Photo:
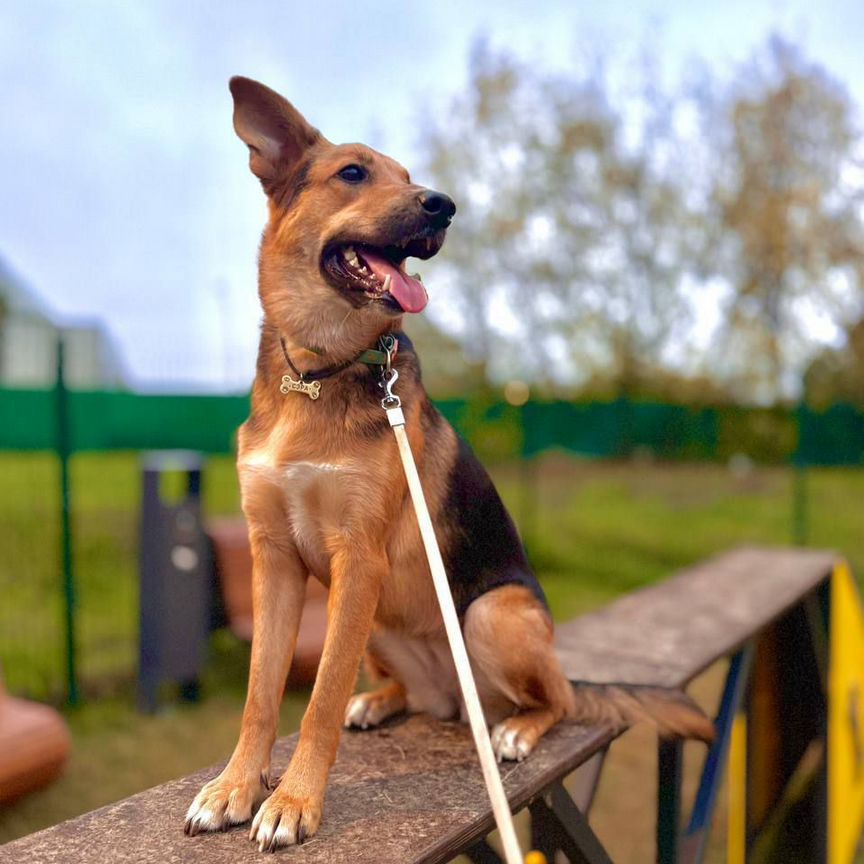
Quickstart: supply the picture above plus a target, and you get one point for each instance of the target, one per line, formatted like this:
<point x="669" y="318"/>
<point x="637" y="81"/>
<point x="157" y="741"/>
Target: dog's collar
<point x="388" y="343"/>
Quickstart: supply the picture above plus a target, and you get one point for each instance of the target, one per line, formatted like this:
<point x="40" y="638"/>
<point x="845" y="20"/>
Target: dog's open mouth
<point x="377" y="273"/>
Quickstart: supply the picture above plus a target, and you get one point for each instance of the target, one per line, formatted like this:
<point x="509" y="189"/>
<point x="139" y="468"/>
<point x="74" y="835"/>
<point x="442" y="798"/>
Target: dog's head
<point x="343" y="219"/>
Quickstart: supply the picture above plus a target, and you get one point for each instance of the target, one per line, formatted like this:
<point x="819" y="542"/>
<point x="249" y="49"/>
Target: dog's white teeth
<point x="387" y="281"/>
<point x="350" y="255"/>
<point x="417" y="276"/>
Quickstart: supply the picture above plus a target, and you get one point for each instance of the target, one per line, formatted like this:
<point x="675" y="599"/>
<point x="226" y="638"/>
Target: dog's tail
<point x="671" y="711"/>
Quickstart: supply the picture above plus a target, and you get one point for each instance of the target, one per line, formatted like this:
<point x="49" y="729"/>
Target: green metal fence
<point x="105" y="421"/>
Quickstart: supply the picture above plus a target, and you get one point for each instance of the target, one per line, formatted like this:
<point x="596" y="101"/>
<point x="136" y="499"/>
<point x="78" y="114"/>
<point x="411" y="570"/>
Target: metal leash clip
<point x="391" y="403"/>
<point x="390" y="400"/>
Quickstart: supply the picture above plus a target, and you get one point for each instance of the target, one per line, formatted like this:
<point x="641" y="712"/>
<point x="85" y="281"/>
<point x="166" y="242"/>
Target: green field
<point x="594" y="530"/>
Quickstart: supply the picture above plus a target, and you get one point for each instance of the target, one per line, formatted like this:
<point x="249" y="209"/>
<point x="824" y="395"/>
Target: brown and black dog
<point x="324" y="493"/>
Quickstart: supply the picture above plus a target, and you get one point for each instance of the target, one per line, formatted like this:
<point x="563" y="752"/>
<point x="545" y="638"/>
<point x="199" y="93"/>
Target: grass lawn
<point x="594" y="530"/>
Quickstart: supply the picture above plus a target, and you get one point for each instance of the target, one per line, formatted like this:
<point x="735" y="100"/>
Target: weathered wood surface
<point x="668" y="633"/>
<point x="411" y="792"/>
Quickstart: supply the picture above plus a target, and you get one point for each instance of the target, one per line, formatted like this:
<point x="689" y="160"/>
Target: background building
<point x="29" y="331"/>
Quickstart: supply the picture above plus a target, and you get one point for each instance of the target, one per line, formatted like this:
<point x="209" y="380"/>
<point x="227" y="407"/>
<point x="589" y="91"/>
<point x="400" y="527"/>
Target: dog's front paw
<point x="286" y="819"/>
<point x="223" y="802"/>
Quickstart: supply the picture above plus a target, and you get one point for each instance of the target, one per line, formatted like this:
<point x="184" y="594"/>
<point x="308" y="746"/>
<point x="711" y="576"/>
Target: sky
<point x="126" y="196"/>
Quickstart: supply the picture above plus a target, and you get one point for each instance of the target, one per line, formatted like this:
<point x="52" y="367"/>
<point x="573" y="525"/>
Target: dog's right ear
<point x="276" y="133"/>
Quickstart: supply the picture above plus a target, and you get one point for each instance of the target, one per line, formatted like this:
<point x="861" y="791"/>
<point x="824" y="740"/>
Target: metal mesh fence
<point x="105" y="522"/>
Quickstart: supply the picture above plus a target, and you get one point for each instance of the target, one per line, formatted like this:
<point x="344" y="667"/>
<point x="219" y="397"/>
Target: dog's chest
<point x="320" y="499"/>
<point x="315" y="489"/>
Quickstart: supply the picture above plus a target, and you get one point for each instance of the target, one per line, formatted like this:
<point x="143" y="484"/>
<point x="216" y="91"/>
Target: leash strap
<point x="500" y="806"/>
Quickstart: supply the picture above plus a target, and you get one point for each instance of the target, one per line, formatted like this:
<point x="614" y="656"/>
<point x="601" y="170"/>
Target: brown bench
<point x="412" y="791"/>
<point x="34" y="745"/>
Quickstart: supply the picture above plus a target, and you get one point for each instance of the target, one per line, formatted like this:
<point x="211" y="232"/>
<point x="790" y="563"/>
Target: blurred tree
<point x="592" y="219"/>
<point x="837" y="375"/>
<point x="447" y="372"/>
<point x="572" y="237"/>
<point x="788" y="230"/>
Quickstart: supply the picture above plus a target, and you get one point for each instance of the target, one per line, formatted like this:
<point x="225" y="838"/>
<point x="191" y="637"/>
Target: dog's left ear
<point x="276" y="133"/>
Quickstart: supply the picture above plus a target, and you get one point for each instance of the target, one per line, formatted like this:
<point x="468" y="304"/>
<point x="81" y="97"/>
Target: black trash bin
<point x="176" y="580"/>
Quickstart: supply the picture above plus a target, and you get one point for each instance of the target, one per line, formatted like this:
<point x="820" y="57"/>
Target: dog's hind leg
<point x="509" y="638"/>
<point x="421" y="678"/>
<point x="375" y="706"/>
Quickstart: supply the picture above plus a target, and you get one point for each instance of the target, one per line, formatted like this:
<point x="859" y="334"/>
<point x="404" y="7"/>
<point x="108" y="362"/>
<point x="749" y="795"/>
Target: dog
<point x="324" y="493"/>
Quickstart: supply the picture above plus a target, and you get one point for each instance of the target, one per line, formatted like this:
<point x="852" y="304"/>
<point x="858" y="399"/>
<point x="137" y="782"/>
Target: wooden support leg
<point x="542" y="839"/>
<point x="669" y="764"/>
<point x="482" y="853"/>
<point x="559" y="826"/>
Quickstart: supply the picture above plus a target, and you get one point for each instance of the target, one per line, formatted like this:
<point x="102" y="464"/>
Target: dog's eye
<point x="353" y="174"/>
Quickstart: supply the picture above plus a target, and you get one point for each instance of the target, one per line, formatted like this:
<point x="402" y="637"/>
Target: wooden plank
<point x="410" y="792"/>
<point x="668" y="633"/>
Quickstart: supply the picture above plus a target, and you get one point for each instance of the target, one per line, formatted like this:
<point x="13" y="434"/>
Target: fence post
<point x="800" y="502"/>
<point x="64" y="448"/>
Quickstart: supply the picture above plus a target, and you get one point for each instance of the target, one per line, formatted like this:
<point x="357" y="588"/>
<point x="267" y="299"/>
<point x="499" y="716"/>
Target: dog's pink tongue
<point x="408" y="292"/>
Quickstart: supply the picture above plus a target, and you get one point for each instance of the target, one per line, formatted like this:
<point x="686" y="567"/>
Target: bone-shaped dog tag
<point x="311" y="388"/>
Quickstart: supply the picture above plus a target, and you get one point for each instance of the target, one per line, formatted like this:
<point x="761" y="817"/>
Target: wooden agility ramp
<point x="789" y="729"/>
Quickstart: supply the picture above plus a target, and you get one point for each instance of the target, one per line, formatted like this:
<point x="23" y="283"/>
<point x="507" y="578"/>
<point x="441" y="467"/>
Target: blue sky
<point x="126" y="195"/>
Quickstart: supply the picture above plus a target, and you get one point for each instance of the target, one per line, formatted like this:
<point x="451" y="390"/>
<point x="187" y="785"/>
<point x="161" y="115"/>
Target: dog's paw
<point x="369" y="709"/>
<point x="285" y="819"/>
<point x="512" y="740"/>
<point x="224" y="802"/>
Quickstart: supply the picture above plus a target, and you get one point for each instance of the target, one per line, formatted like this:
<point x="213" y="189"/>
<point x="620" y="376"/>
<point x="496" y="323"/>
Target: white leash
<point x="500" y="806"/>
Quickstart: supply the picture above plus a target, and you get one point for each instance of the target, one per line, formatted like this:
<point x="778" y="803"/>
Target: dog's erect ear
<point x="274" y="130"/>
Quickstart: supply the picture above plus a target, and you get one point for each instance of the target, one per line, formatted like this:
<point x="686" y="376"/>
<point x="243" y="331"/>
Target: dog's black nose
<point x="438" y="207"/>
